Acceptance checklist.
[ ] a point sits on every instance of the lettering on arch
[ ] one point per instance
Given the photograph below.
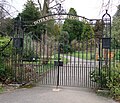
(56, 17)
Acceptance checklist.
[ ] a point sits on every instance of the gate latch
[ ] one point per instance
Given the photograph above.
(56, 63)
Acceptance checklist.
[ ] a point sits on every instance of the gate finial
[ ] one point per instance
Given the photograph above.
(106, 11)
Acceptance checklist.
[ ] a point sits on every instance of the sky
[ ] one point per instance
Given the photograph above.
(91, 9)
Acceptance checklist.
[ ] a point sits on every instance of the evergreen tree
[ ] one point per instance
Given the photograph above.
(30, 12)
(73, 27)
(116, 24)
(116, 27)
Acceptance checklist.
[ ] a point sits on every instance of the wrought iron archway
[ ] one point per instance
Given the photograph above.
(49, 63)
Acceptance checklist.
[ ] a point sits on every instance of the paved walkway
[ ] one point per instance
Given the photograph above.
(48, 95)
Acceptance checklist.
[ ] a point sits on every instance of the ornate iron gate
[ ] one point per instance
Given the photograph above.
(36, 57)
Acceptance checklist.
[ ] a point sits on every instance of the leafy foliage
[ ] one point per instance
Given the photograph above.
(110, 81)
(6, 27)
(3, 42)
(64, 41)
(87, 31)
(74, 29)
(100, 76)
(28, 51)
(4, 69)
(30, 12)
(77, 30)
(52, 28)
(56, 31)
(72, 11)
(114, 82)
(116, 27)
(64, 37)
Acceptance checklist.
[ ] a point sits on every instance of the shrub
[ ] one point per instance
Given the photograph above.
(5, 72)
(28, 50)
(117, 56)
(114, 82)
(4, 55)
(110, 81)
(100, 76)
(2, 71)
(67, 48)
(75, 44)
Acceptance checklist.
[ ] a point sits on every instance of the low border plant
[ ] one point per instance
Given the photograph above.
(108, 81)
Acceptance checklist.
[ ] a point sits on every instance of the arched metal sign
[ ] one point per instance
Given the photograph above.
(61, 16)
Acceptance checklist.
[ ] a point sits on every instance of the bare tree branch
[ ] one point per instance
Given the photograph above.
(5, 8)
(62, 1)
(6, 11)
(51, 1)
(39, 5)
(108, 4)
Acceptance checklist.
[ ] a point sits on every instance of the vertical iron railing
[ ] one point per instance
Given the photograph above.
(77, 64)
(106, 44)
(58, 65)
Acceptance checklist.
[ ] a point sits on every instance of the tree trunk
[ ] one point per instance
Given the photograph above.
(46, 6)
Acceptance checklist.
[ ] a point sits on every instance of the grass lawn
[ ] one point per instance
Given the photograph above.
(50, 64)
(42, 68)
(55, 57)
(32, 62)
(51, 60)
(83, 55)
